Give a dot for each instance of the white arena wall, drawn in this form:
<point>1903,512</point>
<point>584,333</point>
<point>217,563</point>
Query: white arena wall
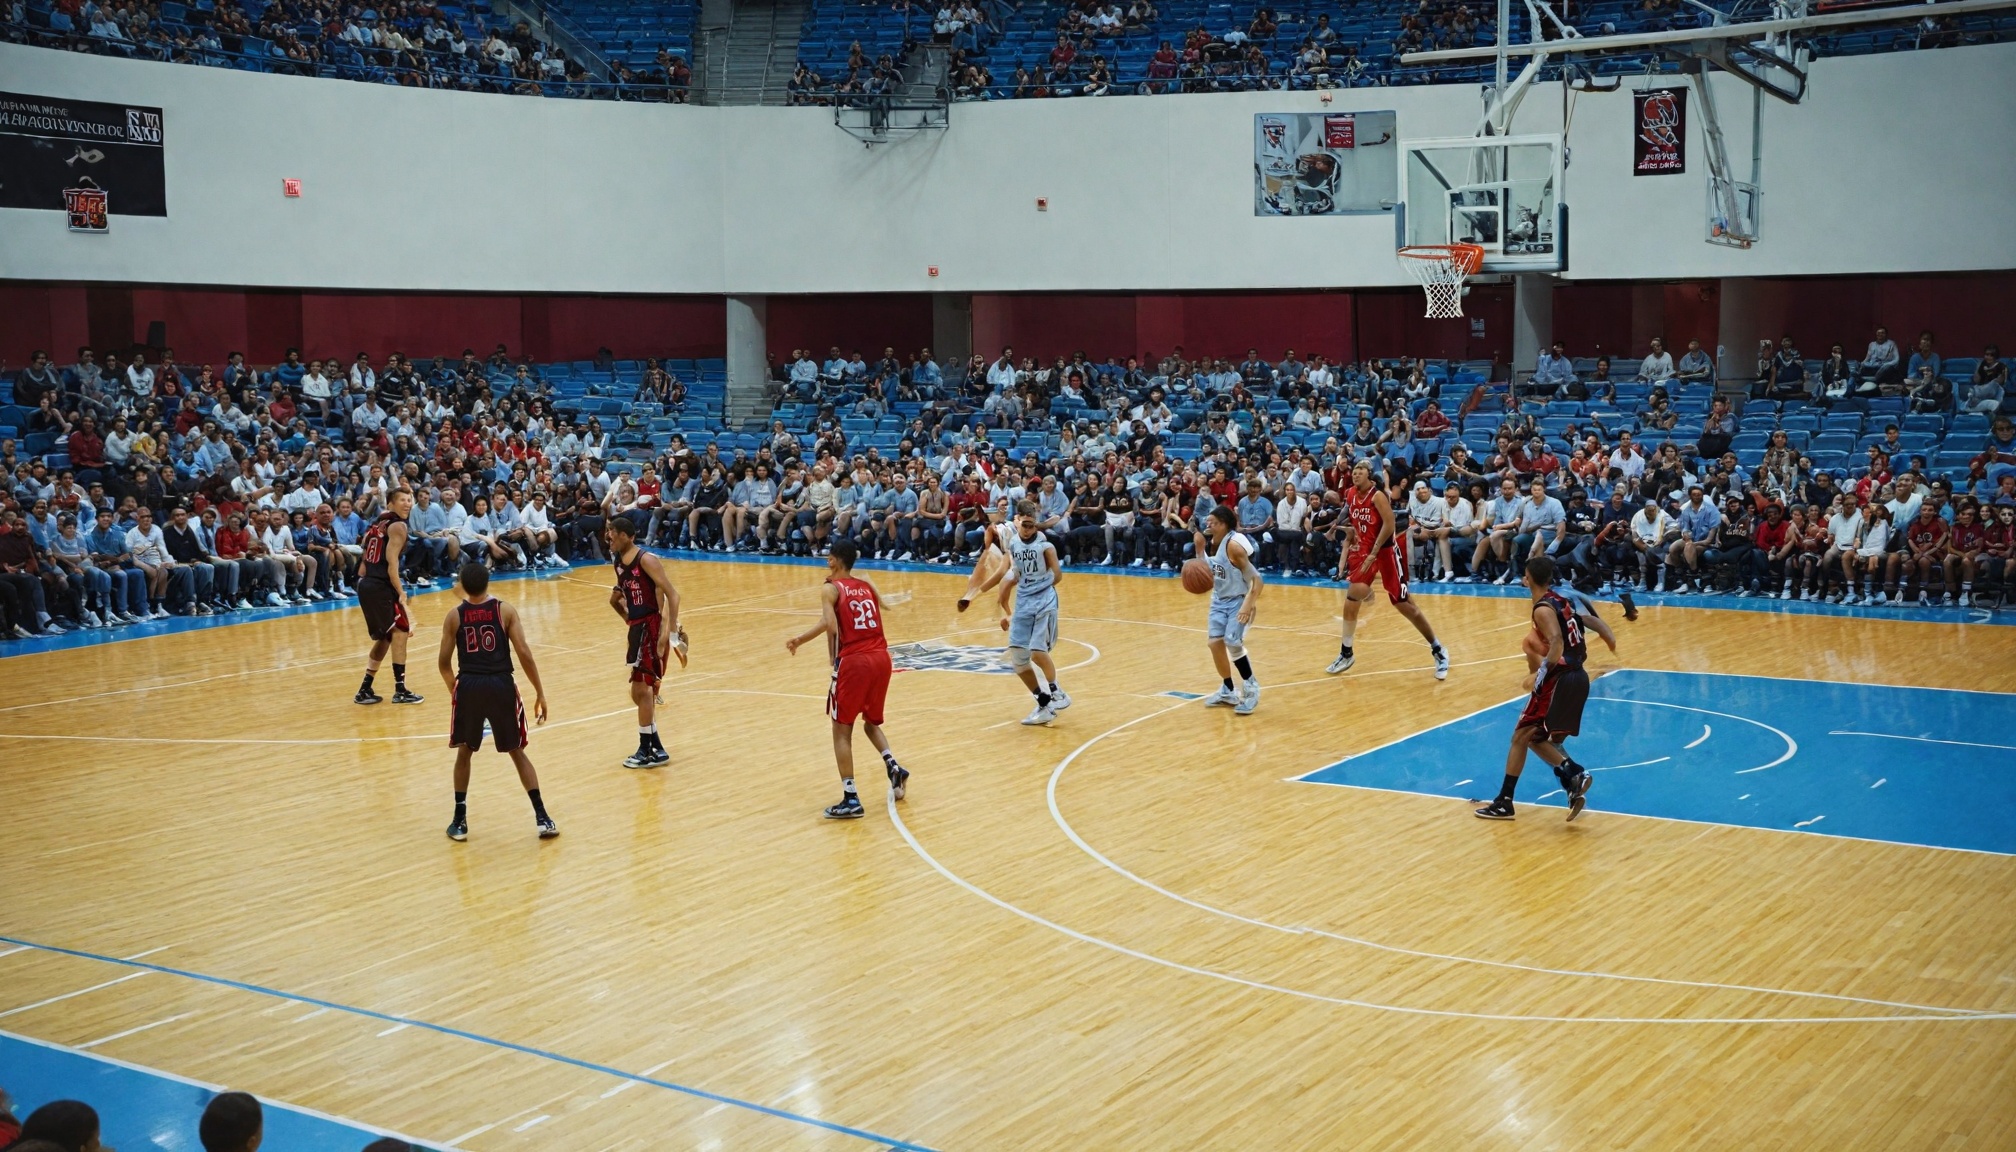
<point>1896,163</point>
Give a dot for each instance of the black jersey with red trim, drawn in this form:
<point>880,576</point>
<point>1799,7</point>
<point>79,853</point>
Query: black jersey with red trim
<point>482,647</point>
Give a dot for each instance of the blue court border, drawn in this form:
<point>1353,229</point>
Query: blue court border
<point>91,637</point>
<point>876,1139</point>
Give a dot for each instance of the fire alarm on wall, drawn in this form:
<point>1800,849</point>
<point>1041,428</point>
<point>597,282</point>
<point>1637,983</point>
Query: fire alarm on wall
<point>1324,97</point>
<point>290,187</point>
<point>931,271</point>
<point>1042,203</point>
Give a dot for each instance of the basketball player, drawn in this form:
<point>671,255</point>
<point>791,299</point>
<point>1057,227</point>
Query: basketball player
<point>648,603</point>
<point>850,617</point>
<point>1560,687</point>
<point>1033,573</point>
<point>482,632</point>
<point>382,595</point>
<point>1235,597</point>
<point>991,565</point>
<point>1370,528</point>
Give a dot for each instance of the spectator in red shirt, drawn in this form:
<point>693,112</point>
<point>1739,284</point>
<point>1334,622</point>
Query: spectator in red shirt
<point>1432,422</point>
<point>282,408</point>
<point>1772,540</point>
<point>87,450</point>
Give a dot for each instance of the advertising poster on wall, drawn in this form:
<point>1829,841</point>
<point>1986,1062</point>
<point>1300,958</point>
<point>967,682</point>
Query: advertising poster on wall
<point>1325,163</point>
<point>1659,117</point>
<point>51,147</point>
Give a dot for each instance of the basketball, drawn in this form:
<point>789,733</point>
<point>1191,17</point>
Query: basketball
<point>1196,576</point>
<point>1535,646</point>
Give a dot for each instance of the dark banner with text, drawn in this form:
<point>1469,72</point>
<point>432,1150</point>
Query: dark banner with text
<point>1660,117</point>
<point>51,147</point>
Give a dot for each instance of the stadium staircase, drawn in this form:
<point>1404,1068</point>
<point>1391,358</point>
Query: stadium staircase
<point>757,53</point>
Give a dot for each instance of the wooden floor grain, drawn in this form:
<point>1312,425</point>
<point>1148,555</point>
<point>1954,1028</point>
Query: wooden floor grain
<point>1254,964</point>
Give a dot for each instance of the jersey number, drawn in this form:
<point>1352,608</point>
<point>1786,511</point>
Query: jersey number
<point>473,637</point>
<point>864,615</point>
<point>1571,629</point>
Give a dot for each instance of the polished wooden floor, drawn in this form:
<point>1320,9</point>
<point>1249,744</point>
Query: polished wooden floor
<point>1252,964</point>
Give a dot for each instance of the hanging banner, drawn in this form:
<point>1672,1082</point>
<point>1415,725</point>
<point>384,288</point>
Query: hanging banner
<point>1324,164</point>
<point>1659,116</point>
<point>49,145</point>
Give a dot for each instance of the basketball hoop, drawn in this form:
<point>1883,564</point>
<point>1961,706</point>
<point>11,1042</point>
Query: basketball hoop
<point>1440,269</point>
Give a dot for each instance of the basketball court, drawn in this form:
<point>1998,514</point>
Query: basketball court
<point>1780,923</point>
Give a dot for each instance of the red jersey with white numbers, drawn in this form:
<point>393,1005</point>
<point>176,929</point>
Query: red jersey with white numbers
<point>640,592</point>
<point>1363,509</point>
<point>860,616</point>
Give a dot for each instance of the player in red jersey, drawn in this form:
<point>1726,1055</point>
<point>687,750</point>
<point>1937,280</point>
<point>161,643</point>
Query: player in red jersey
<point>648,603</point>
<point>850,616</point>
<point>1369,520</point>
<point>1923,554</point>
<point>482,632</point>
<point>1560,688</point>
<point>382,595</point>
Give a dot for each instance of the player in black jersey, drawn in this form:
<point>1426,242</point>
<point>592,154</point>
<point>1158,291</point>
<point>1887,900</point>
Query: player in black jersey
<point>383,597</point>
<point>648,603</point>
<point>482,632</point>
<point>1560,688</point>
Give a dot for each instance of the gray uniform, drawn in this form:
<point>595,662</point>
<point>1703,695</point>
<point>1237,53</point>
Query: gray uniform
<point>1034,624</point>
<point>1228,592</point>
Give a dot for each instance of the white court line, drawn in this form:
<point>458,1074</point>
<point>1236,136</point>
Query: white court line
<point>1879,783</point>
<point>475,1132</point>
<point>1706,731</point>
<point>148,952</point>
<point>12,951</point>
<point>69,995</point>
<point>1806,823</point>
<point>629,1084</point>
<point>531,1122</point>
<point>896,818</point>
<point>132,1031</point>
<point>394,1028</point>
<point>436,736</point>
<point>1057,815</point>
<point>1926,740</point>
<point>176,683</point>
<point>1614,767</point>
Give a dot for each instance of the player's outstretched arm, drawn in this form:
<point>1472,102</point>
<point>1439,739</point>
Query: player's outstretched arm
<point>451,621</point>
<point>515,629</point>
<point>829,624</point>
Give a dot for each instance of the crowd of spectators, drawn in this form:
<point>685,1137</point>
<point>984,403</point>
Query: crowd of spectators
<point>415,43</point>
<point>141,488</point>
<point>229,1122</point>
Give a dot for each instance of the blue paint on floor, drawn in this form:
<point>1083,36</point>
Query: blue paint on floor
<point>1916,766</point>
<point>140,1108</point>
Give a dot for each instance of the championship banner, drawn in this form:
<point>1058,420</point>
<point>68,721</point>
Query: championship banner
<point>1659,117</point>
<point>52,147</point>
<point>1324,163</point>
<point>89,208</point>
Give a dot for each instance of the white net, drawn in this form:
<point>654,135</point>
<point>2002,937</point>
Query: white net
<point>1440,270</point>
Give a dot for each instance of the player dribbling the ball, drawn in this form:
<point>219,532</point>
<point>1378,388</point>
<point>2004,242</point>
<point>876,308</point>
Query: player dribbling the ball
<point>850,617</point>
<point>1235,597</point>
<point>1560,687</point>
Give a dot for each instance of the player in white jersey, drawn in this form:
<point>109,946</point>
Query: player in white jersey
<point>1033,573</point>
<point>1235,595</point>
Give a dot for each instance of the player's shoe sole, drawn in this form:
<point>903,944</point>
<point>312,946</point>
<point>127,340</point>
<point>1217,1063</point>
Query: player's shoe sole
<point>402,696</point>
<point>1496,810</point>
<point>458,830</point>
<point>653,759</point>
<point>848,809</point>
<point>547,828</point>
<point>368,698</point>
<point>899,780</point>
<point>1578,792</point>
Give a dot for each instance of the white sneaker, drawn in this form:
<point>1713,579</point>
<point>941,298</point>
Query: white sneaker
<point>1964,598</point>
<point>1441,663</point>
<point>1040,715</point>
<point>1137,564</point>
<point>1341,664</point>
<point>137,617</point>
<point>1924,599</point>
<point>1059,700</point>
<point>273,600</point>
<point>317,594</point>
<point>1879,599</point>
<point>91,619</point>
<point>243,604</point>
<point>906,557</point>
<point>1223,698</point>
<point>160,614</point>
<point>1503,578</point>
<point>1945,599</point>
<point>1249,698</point>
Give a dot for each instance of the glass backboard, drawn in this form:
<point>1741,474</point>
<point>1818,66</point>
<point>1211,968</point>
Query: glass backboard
<point>1502,193</point>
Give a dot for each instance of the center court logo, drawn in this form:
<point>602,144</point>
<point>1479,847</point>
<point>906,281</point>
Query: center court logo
<point>934,657</point>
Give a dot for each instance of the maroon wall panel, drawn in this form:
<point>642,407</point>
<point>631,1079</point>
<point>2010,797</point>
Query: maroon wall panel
<point>1963,312</point>
<point>205,325</point>
<point>869,323</point>
<point>1693,312</point>
<point>1593,319</point>
<point>633,327</point>
<point>342,324</point>
<point>25,325</point>
<point>272,324</point>
<point>1309,322</point>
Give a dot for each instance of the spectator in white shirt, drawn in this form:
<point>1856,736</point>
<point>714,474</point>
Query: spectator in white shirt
<point>1554,370</point>
<point>1657,367</point>
<point>149,549</point>
<point>1881,366</point>
<point>277,537</point>
<point>1426,530</point>
<point>1001,373</point>
<point>1651,534</point>
<point>140,379</point>
<point>362,378</point>
<point>1627,464</point>
<point>316,387</point>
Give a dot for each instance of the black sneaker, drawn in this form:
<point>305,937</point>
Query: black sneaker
<point>367,696</point>
<point>849,808</point>
<point>1496,810</point>
<point>548,829</point>
<point>647,758</point>
<point>458,830</point>
<point>401,695</point>
<point>898,777</point>
<point>1578,789</point>
<point>1630,605</point>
